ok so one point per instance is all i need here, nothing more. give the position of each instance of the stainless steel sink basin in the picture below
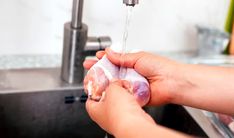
(33, 104)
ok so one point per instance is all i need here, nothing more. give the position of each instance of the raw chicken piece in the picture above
(136, 84)
(99, 76)
(227, 120)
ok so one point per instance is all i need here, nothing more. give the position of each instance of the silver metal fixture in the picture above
(77, 45)
(130, 2)
(77, 13)
(94, 43)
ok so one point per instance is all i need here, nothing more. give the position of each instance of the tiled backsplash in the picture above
(36, 26)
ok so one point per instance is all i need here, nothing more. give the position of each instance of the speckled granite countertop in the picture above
(29, 61)
(44, 61)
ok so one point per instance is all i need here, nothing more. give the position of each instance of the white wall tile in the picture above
(36, 26)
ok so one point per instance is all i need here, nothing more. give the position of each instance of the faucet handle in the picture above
(97, 43)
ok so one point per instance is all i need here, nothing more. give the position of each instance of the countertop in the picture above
(29, 61)
(45, 61)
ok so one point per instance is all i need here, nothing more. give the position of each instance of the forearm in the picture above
(210, 88)
(141, 128)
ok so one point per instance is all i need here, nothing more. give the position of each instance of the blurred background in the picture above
(36, 26)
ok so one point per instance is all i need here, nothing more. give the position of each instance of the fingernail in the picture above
(109, 50)
(112, 52)
(103, 97)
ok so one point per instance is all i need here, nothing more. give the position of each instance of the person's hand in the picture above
(163, 75)
(117, 111)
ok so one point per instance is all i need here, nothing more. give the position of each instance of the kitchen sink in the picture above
(35, 103)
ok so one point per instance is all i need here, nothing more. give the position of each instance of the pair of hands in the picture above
(119, 108)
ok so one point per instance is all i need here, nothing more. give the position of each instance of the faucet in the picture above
(77, 45)
(130, 2)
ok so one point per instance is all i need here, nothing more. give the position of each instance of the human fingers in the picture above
(89, 63)
(94, 109)
(127, 60)
(100, 54)
(92, 105)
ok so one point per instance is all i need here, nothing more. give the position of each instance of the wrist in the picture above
(183, 83)
(140, 128)
(132, 124)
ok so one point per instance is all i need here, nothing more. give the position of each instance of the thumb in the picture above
(127, 60)
(93, 108)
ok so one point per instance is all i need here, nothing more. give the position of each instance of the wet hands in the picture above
(164, 76)
(117, 110)
(103, 72)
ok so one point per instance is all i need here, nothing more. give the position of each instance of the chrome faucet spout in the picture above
(130, 2)
(77, 12)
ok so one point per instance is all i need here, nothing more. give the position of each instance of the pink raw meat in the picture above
(227, 120)
(99, 76)
(137, 84)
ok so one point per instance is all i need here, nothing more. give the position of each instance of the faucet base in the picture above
(73, 53)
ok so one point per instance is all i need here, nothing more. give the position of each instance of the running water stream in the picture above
(125, 39)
